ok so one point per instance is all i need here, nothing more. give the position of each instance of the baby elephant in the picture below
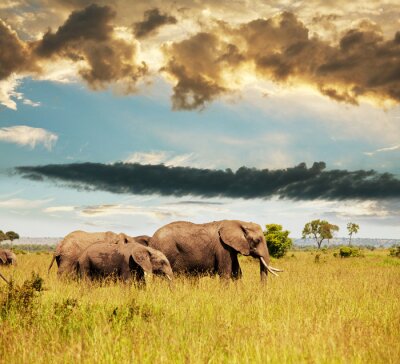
(126, 261)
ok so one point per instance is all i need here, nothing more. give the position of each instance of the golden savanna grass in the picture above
(334, 311)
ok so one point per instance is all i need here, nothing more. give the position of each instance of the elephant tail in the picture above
(52, 262)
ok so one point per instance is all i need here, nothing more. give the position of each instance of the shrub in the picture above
(278, 241)
(395, 251)
(348, 251)
(20, 298)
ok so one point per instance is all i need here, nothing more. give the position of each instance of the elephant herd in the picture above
(180, 248)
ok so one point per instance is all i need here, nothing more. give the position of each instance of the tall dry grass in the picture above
(334, 311)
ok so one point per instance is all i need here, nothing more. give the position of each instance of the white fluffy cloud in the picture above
(28, 136)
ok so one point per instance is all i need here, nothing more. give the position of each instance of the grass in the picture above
(334, 311)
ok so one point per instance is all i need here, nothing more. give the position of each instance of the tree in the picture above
(2, 236)
(352, 228)
(278, 241)
(319, 230)
(11, 235)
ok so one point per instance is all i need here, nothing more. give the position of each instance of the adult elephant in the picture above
(71, 247)
(7, 257)
(212, 248)
(126, 261)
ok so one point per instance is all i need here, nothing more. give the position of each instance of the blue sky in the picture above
(262, 123)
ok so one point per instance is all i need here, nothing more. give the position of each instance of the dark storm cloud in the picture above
(295, 183)
(153, 20)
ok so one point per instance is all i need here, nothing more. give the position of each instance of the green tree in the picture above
(352, 228)
(11, 235)
(2, 236)
(278, 241)
(319, 230)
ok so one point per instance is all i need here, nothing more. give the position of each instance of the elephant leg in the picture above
(140, 278)
(83, 269)
(225, 265)
(126, 274)
(236, 270)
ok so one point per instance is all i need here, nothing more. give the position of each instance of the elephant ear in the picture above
(232, 233)
(142, 258)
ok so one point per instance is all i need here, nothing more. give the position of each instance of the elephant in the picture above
(212, 248)
(71, 247)
(142, 239)
(131, 260)
(7, 257)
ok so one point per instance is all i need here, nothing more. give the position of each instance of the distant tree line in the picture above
(279, 243)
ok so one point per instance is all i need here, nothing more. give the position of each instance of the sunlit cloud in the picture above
(28, 136)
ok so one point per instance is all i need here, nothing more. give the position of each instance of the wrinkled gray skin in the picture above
(211, 248)
(7, 257)
(127, 261)
(71, 247)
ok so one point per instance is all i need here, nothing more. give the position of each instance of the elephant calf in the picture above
(7, 257)
(131, 260)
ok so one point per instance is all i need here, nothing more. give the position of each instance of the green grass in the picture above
(334, 311)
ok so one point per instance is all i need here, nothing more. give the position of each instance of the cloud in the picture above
(23, 204)
(13, 52)
(8, 93)
(197, 64)
(28, 136)
(387, 149)
(88, 36)
(115, 209)
(153, 19)
(209, 58)
(161, 157)
(363, 65)
(298, 183)
(53, 209)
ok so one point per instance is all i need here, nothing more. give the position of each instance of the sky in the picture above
(125, 116)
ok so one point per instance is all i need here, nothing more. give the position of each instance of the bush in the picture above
(395, 251)
(278, 241)
(20, 298)
(348, 251)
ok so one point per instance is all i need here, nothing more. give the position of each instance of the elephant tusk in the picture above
(276, 269)
(268, 268)
(169, 278)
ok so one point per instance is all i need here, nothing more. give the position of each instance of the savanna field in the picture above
(337, 310)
